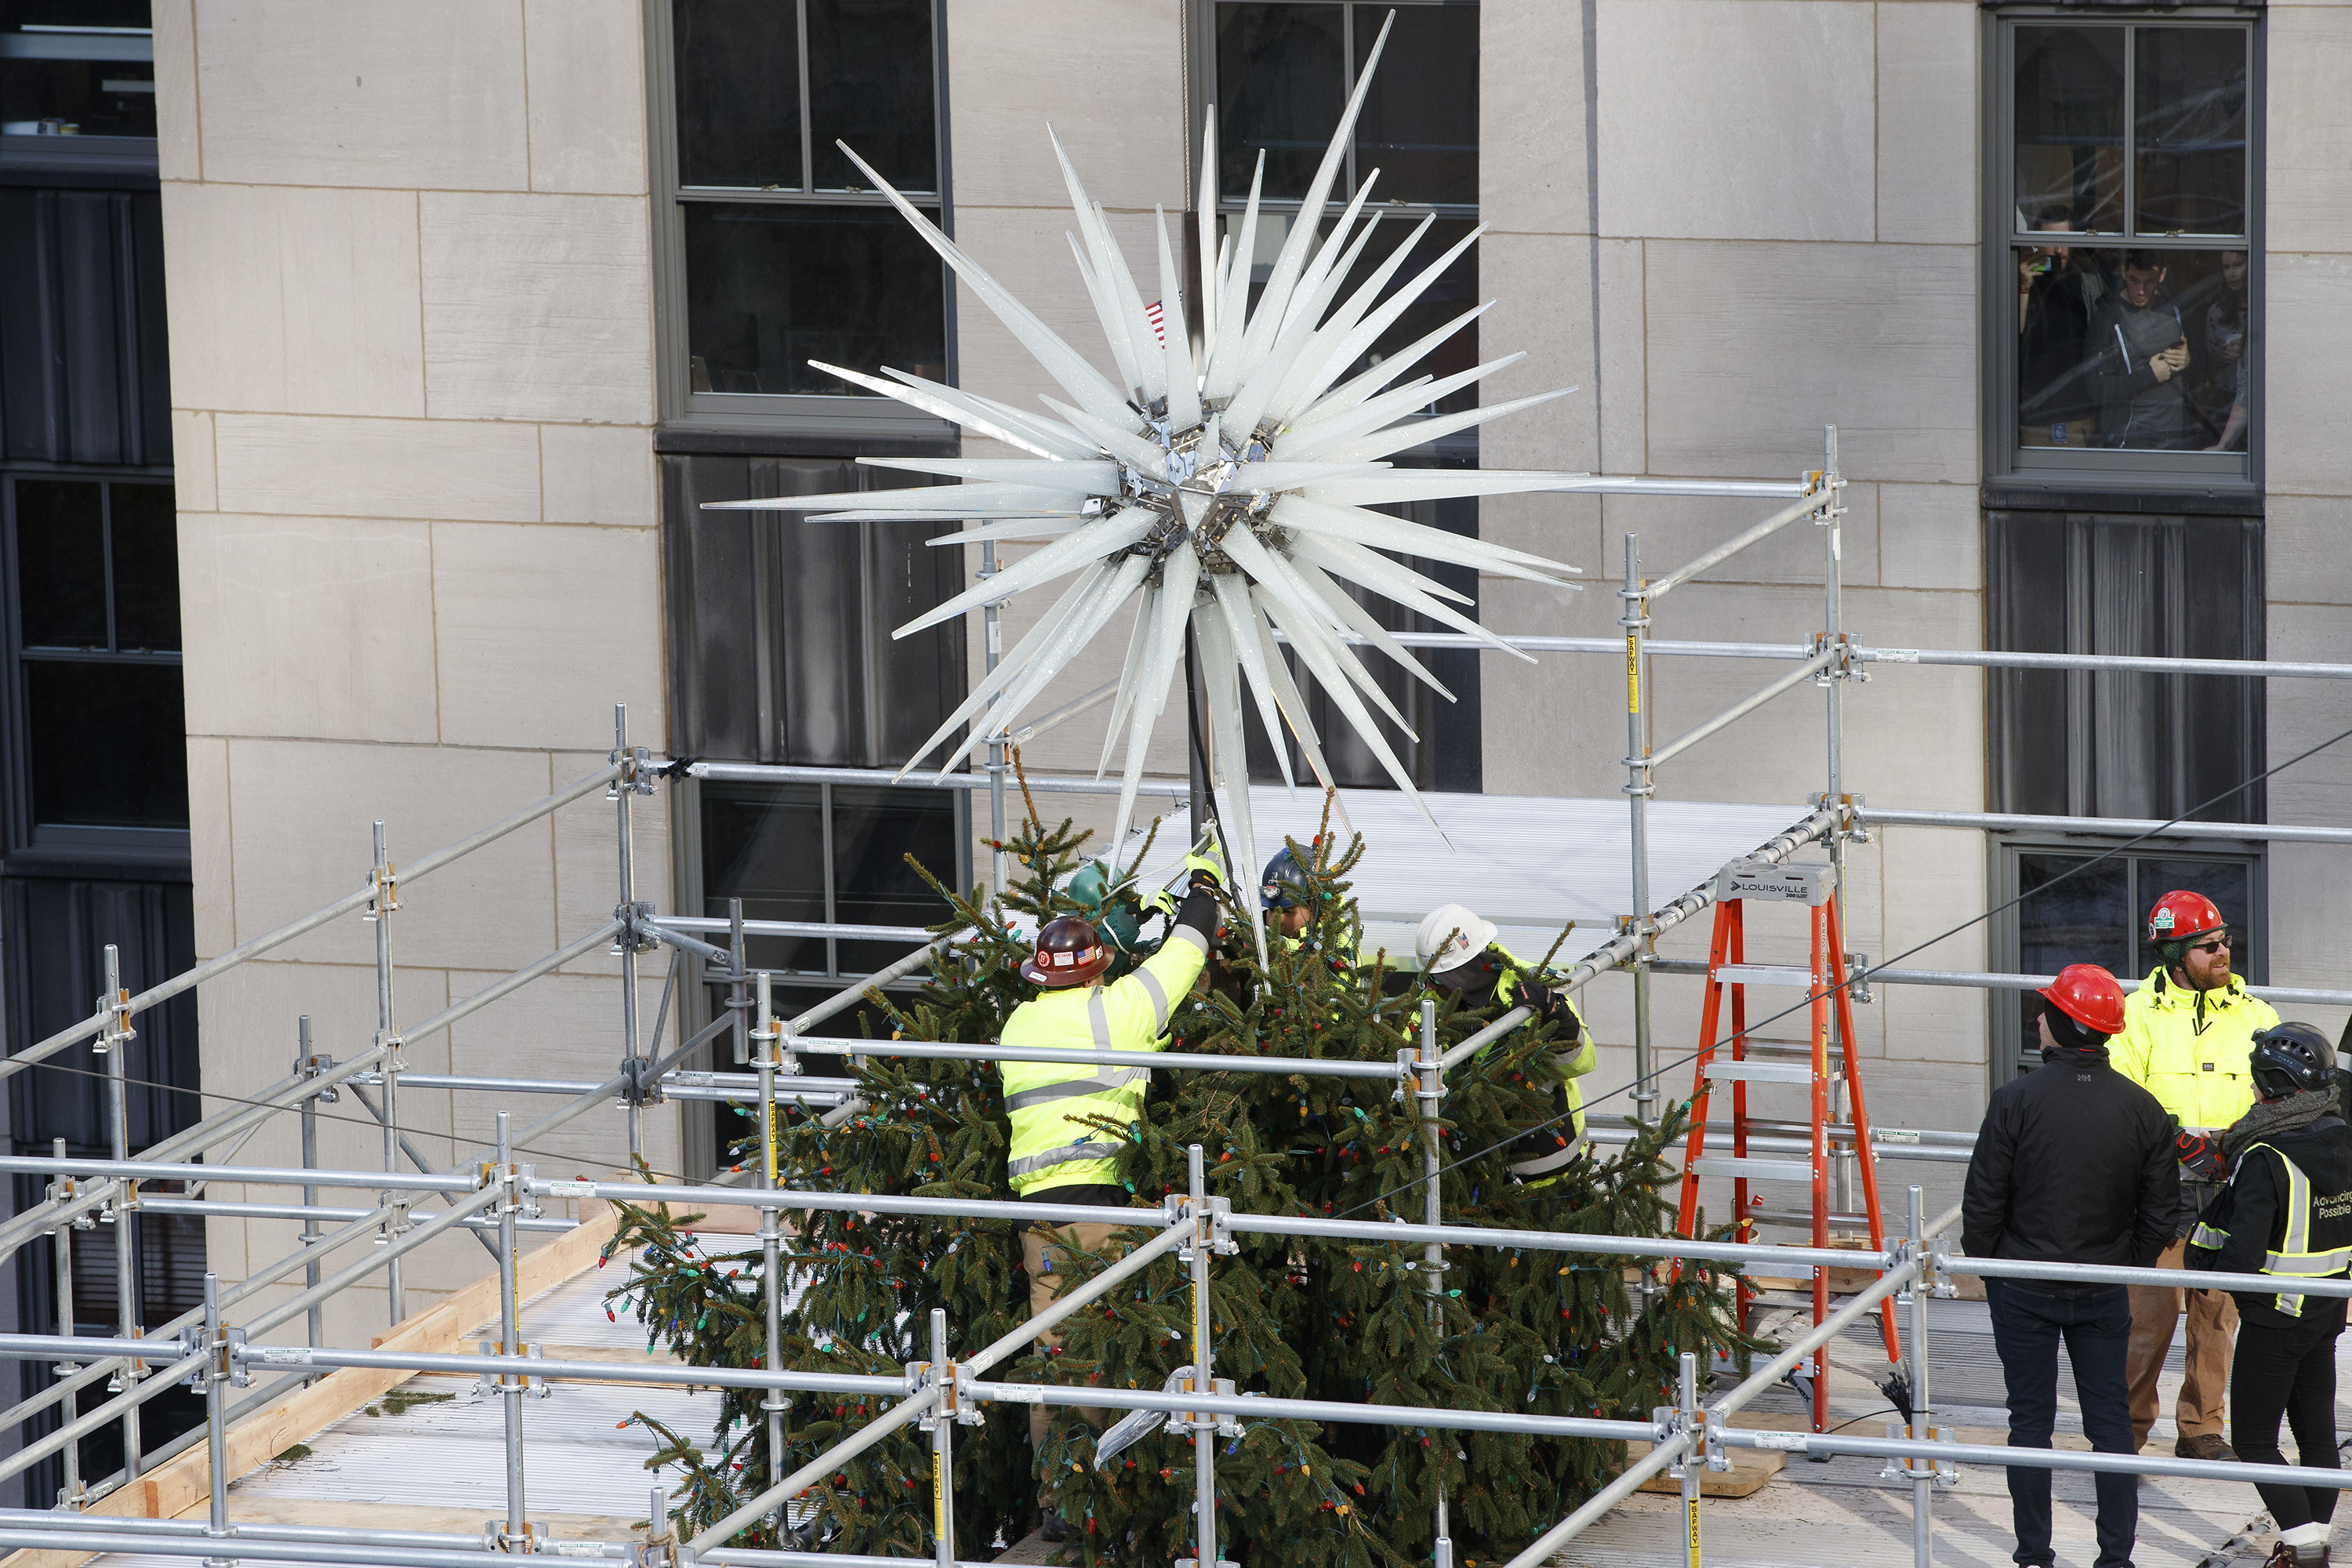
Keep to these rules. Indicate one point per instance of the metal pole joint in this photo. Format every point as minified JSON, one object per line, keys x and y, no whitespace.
{"x":636,"y":919}
{"x":637,"y":772}
{"x":114,"y":1008}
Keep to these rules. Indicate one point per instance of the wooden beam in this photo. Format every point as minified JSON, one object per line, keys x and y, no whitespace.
{"x":185,"y":1481}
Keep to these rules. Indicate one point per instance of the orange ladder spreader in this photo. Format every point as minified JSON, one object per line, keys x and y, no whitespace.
{"x":1825,"y":983}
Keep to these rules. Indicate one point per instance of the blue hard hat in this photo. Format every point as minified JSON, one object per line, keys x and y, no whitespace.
{"x":1282,"y":885}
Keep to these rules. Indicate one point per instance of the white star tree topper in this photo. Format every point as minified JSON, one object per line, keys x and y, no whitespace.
{"x":1224,"y":488}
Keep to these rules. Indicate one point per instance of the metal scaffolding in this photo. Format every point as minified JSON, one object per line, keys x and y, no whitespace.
{"x":498,"y":1196}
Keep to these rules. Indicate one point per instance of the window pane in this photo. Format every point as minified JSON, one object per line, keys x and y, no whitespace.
{"x":874,"y":831}
{"x":771,"y":288}
{"x":2138,"y":349}
{"x":2069,"y":128}
{"x":2190,"y":142}
{"x":93,"y":84}
{"x":2085,"y":919}
{"x":109,"y":745}
{"x":146,"y":568}
{"x":61,"y":563}
{"x":765,"y":845}
{"x":1282,"y":73}
{"x":1420,"y":121}
{"x":870,"y":70}
{"x":2226,"y":882}
{"x":739,"y":93}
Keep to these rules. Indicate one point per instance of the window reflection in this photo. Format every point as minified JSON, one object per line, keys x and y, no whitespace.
{"x":2070,"y":129}
{"x":2137,"y":348}
{"x":769,"y":287}
{"x":1284,"y":79}
{"x":2189,"y":135}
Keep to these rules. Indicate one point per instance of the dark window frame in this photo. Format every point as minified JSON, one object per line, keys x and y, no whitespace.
{"x":71,"y":157}
{"x":2009,"y":1053}
{"x":2006,"y":460}
{"x":839,"y":422}
{"x":29,"y":846}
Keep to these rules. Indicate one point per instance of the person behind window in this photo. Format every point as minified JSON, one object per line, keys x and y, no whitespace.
{"x":2140,"y":351}
{"x":2057,"y":290}
{"x":2225,"y":341}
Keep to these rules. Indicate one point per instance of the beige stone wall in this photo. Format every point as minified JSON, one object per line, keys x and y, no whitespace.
{"x":411,"y":297}
{"x":2309,"y":335}
{"x":1762,"y":222}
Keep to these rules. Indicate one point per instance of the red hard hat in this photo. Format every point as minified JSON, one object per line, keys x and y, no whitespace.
{"x":2089,"y":995}
{"x":1068,"y":953}
{"x":2180,"y":915}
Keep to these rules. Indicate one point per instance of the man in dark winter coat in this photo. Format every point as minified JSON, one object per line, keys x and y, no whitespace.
{"x":2075,"y":1163}
{"x":2288,"y":1212}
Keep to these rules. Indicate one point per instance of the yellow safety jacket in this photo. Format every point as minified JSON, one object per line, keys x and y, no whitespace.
{"x":2190,"y":1048}
{"x":1563,"y":1144}
{"x":1047,"y":1102}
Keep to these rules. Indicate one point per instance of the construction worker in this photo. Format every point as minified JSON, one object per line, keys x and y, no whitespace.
{"x":1057,"y":1155}
{"x":1287,"y":901}
{"x":2074,"y":1163}
{"x":1459,"y":953}
{"x":2188,"y":1033}
{"x":1110,"y":903}
{"x":2287,"y":1211}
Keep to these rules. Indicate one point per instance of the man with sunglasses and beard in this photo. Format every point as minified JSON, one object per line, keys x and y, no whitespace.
{"x":2189,"y":1035}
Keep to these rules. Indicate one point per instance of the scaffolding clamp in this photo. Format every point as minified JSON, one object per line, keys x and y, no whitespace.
{"x":383,"y":891}
{"x":496,"y":1537}
{"x":640,"y":1084}
{"x":636,"y":920}
{"x":536,"y":1385}
{"x":637,"y":772}
{"x":114,"y":1022}
{"x":314,"y":1066}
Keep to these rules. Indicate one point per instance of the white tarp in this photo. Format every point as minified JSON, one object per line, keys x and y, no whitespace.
{"x":1528,"y":863}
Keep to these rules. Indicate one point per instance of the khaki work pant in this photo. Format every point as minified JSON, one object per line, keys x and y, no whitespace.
{"x":2213,"y":1320}
{"x":1043,"y":1252}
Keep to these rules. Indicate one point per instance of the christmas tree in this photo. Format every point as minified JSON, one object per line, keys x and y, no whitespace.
{"x":1496,"y":1330}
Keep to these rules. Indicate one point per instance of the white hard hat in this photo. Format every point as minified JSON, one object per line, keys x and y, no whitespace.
{"x":1451,"y":934}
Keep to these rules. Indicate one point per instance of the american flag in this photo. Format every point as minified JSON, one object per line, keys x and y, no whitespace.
{"x":1158,"y":326}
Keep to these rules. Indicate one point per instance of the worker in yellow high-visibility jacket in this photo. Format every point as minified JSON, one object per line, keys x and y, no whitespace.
{"x":1057,"y":1154}
{"x":2187,"y":1040}
{"x":1461,"y":953}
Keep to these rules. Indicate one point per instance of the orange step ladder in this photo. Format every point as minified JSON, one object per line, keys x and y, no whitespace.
{"x":1825,"y":981}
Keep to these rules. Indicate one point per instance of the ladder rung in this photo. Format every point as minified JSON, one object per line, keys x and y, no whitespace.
{"x":1763,"y":975}
{"x":1754,"y":1169}
{"x":1766,"y":1072}
{"x":1803,"y":1221}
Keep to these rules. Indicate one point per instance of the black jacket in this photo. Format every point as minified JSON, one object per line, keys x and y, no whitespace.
{"x":2250,"y":1213}
{"x":2074,"y":1164}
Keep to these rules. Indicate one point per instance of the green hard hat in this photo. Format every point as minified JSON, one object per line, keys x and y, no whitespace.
{"x":1111,"y":905}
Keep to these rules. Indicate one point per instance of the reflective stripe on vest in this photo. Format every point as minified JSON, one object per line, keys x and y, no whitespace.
{"x":1066,"y":1154}
{"x":2295,"y":1258}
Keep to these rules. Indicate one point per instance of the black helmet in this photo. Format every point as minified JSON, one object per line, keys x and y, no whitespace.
{"x":2290,"y":1057}
{"x":1282,"y":885}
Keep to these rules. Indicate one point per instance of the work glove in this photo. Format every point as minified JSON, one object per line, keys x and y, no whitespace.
{"x":1205,"y":875}
{"x":2198,"y":1155}
{"x":1549,"y":1008}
